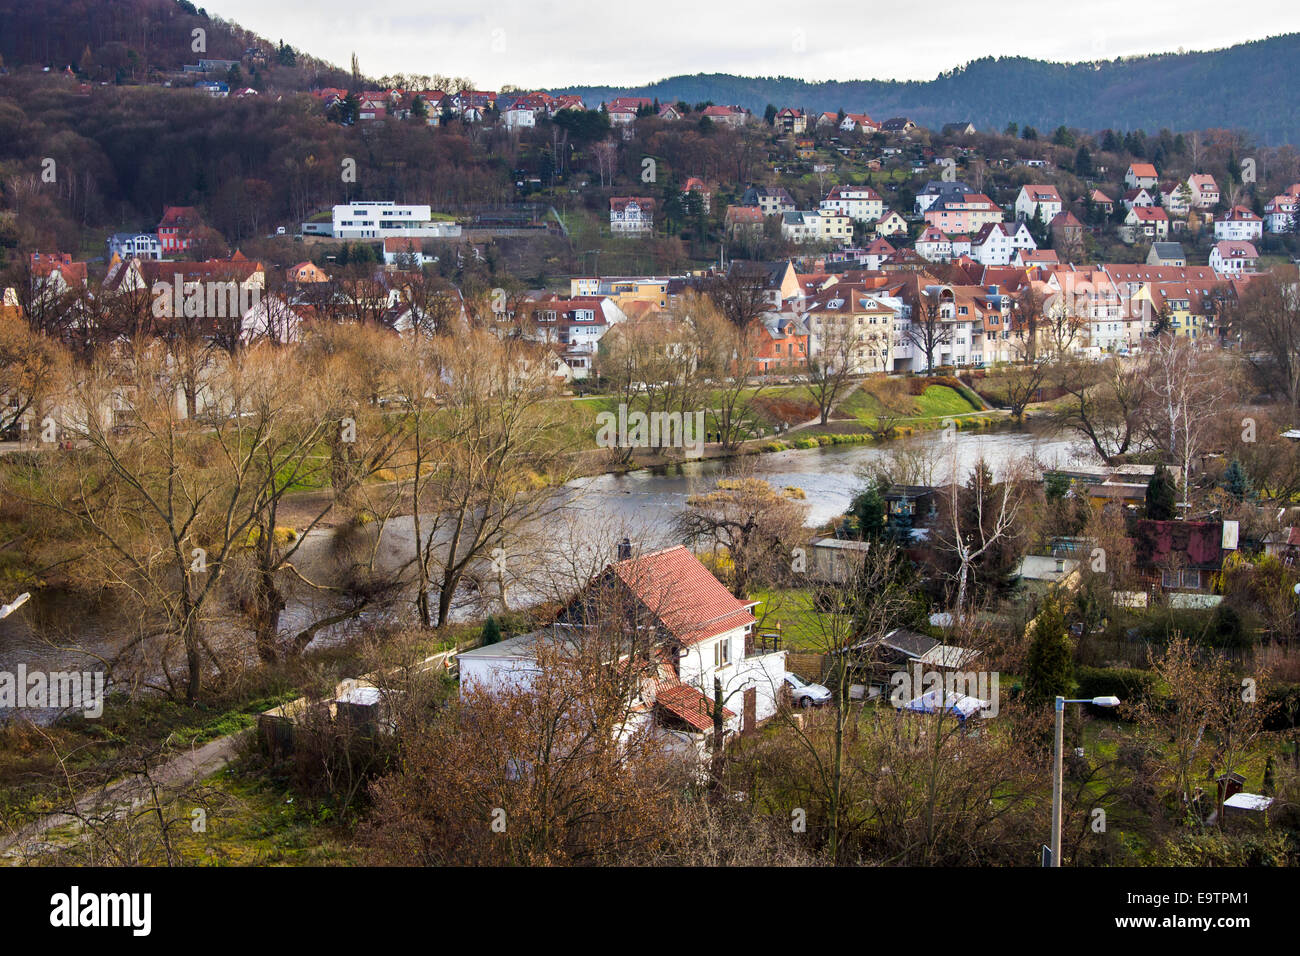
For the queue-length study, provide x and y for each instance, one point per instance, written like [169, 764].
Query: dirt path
[190, 766]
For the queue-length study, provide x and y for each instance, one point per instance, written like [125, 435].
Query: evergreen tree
[866, 514]
[1083, 162]
[1049, 668]
[1056, 486]
[1235, 481]
[1161, 495]
[491, 631]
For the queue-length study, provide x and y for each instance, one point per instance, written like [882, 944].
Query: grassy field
[874, 399]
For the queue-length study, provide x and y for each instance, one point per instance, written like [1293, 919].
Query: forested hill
[1253, 87]
[126, 41]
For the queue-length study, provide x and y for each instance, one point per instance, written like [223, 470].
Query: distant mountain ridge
[1252, 86]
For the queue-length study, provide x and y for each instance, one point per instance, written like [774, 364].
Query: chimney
[625, 549]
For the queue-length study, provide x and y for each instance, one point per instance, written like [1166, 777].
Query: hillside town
[406, 473]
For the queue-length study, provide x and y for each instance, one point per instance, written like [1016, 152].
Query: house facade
[1141, 176]
[691, 635]
[859, 203]
[1038, 202]
[631, 215]
[1233, 258]
[1239, 225]
[966, 213]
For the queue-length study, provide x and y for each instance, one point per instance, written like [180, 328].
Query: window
[721, 653]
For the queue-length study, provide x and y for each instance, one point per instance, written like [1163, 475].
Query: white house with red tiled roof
[1035, 202]
[860, 121]
[727, 115]
[1239, 225]
[1205, 191]
[1280, 211]
[859, 203]
[877, 251]
[1145, 222]
[992, 245]
[934, 245]
[631, 215]
[1141, 176]
[1233, 258]
[684, 631]
[566, 101]
[1139, 197]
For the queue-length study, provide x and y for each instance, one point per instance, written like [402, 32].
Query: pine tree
[1235, 481]
[1083, 162]
[491, 631]
[1049, 668]
[866, 514]
[1161, 495]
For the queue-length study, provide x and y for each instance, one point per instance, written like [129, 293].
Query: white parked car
[805, 694]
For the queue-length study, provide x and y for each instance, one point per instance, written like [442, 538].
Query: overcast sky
[549, 43]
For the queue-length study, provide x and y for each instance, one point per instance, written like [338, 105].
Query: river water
[577, 537]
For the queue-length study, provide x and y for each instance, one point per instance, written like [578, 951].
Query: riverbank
[300, 509]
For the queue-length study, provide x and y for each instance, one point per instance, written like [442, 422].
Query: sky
[552, 43]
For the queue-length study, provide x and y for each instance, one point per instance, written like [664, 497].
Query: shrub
[1283, 701]
[1129, 684]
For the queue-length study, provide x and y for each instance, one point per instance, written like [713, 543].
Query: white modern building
[141, 245]
[385, 220]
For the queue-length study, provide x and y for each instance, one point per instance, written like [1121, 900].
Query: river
[53, 633]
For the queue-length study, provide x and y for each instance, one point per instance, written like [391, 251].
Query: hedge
[1129, 684]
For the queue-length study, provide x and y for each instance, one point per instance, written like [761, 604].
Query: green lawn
[940, 401]
[790, 612]
[936, 402]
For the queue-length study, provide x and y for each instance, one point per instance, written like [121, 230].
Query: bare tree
[31, 366]
[753, 523]
[496, 472]
[981, 516]
[740, 294]
[831, 363]
[1187, 388]
[928, 330]
[1105, 402]
[1268, 316]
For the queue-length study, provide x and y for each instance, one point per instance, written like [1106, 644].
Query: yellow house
[891, 224]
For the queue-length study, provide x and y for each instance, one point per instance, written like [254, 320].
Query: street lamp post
[1056, 765]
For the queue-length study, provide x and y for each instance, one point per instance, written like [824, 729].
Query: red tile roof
[684, 701]
[689, 602]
